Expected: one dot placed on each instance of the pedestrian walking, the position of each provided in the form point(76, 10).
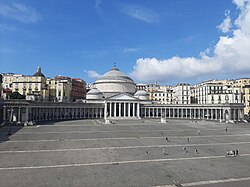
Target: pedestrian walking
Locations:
point(161, 133)
point(167, 139)
point(188, 140)
point(236, 152)
point(226, 129)
point(198, 132)
point(184, 149)
point(147, 152)
point(196, 151)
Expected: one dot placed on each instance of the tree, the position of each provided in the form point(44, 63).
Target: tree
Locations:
point(16, 95)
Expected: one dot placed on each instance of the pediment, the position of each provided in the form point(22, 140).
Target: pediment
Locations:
point(122, 96)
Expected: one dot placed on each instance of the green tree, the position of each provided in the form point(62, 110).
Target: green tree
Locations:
point(16, 95)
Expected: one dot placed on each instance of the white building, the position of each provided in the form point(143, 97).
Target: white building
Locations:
point(181, 94)
point(215, 93)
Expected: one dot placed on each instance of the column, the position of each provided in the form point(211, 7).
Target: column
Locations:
point(138, 110)
point(26, 114)
point(207, 113)
point(19, 115)
point(133, 109)
point(190, 113)
point(124, 109)
point(129, 109)
point(169, 115)
point(203, 114)
point(114, 109)
point(110, 109)
point(120, 109)
point(4, 113)
point(216, 114)
point(212, 114)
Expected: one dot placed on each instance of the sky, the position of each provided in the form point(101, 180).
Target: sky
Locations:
point(163, 41)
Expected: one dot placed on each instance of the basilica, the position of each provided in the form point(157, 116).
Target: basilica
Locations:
point(114, 96)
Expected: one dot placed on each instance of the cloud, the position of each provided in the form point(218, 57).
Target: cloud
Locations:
point(93, 74)
point(127, 50)
point(98, 7)
point(141, 13)
point(226, 24)
point(229, 56)
point(6, 27)
point(19, 12)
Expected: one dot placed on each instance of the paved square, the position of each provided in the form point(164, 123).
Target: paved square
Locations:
point(127, 153)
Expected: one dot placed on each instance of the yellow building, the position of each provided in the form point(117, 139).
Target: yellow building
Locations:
point(244, 84)
point(31, 86)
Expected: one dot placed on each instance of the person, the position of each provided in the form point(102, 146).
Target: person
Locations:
point(233, 153)
point(226, 129)
point(161, 133)
point(184, 149)
point(227, 153)
point(147, 152)
point(196, 150)
point(198, 132)
point(164, 152)
point(188, 140)
point(167, 139)
point(236, 152)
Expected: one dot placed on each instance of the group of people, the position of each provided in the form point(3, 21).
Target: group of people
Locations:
point(195, 150)
point(232, 152)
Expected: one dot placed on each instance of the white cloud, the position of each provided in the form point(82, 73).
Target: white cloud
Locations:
point(226, 24)
point(127, 50)
point(98, 7)
point(240, 3)
point(93, 74)
point(141, 13)
point(19, 12)
point(230, 56)
point(6, 27)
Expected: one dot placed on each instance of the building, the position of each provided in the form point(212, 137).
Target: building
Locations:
point(114, 96)
point(244, 85)
point(34, 87)
point(1, 87)
point(78, 89)
point(181, 94)
point(215, 93)
point(69, 89)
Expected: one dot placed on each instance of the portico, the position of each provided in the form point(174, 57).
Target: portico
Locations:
point(122, 106)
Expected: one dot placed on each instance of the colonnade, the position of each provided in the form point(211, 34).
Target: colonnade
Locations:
point(207, 113)
point(121, 109)
point(21, 111)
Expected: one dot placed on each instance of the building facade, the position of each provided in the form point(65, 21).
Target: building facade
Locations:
point(114, 96)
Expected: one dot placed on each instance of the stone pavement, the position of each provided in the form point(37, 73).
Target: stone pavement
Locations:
point(127, 153)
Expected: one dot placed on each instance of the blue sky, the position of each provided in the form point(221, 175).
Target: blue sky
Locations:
point(167, 41)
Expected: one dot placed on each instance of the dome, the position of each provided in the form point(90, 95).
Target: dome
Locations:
point(114, 75)
point(142, 95)
point(94, 93)
point(39, 72)
point(114, 82)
